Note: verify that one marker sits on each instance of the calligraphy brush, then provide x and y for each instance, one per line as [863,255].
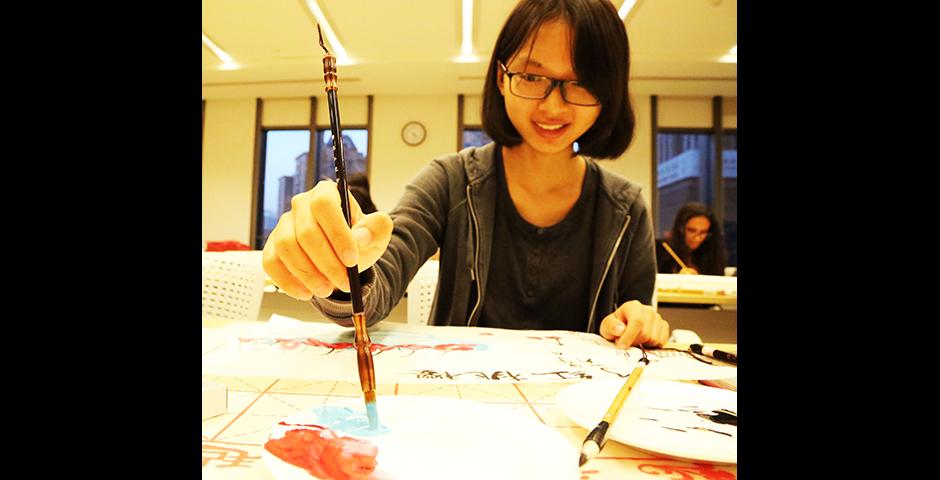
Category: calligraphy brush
[596,440]
[676,257]
[363,343]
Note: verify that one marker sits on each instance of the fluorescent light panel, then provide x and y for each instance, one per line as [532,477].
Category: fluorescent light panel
[227,62]
[625,8]
[466,43]
[341,57]
[467,47]
[731,56]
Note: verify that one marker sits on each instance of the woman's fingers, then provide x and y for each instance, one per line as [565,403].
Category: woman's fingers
[372,234]
[288,266]
[311,247]
[322,232]
[635,324]
[611,327]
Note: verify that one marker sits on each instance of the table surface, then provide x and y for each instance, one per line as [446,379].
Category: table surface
[232,442]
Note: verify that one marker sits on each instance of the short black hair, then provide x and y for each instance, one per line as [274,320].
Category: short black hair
[601,61]
[358,184]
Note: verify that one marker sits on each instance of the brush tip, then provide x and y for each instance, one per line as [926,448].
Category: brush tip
[372,412]
[582,460]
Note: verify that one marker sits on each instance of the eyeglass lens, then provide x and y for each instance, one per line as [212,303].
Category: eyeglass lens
[538,87]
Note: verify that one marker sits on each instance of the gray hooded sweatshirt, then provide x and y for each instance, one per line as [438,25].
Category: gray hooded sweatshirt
[451,205]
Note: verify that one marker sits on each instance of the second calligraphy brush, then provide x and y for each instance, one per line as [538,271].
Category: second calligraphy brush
[674,256]
[362,341]
[596,440]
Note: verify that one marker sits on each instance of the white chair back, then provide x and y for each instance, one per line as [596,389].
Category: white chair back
[421,293]
[232,285]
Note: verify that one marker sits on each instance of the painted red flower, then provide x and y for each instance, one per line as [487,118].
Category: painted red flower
[325,454]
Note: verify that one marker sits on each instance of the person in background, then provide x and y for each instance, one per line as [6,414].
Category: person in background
[696,238]
[532,235]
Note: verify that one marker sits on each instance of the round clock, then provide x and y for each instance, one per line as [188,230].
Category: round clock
[413,133]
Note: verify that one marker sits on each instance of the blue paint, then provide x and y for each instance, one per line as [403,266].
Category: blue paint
[373,412]
[349,421]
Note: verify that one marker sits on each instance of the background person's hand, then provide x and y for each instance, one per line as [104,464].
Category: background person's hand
[635,324]
[311,246]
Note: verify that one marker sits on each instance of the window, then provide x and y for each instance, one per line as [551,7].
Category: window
[685,172]
[355,152]
[688,167]
[284,166]
[683,161]
[729,180]
[475,137]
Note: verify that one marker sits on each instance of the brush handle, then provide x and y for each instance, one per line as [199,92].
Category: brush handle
[339,165]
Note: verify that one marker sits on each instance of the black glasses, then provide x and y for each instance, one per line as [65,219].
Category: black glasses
[538,87]
[697,233]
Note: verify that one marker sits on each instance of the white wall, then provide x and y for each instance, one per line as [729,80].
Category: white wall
[227,166]
[635,163]
[393,162]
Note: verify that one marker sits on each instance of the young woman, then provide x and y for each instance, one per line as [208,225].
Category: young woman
[532,235]
[697,240]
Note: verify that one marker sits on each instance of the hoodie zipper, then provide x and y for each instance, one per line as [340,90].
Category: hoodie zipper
[610,260]
[476,254]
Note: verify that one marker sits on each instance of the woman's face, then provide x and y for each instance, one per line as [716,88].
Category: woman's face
[696,231]
[550,125]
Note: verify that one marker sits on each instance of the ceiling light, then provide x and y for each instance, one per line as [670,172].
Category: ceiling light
[341,57]
[227,62]
[466,48]
[625,8]
[731,56]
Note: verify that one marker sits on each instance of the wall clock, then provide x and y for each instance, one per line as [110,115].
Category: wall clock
[413,133]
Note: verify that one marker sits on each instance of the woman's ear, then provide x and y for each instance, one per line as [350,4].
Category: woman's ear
[499,81]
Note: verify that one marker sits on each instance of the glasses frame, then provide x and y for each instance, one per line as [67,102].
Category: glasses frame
[561,84]
[706,234]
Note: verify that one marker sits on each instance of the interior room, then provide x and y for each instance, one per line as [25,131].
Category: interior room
[423,63]
[289,393]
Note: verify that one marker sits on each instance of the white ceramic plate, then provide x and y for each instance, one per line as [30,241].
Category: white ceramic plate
[681,420]
[436,437]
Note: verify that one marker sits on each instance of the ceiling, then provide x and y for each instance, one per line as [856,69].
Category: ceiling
[409,47]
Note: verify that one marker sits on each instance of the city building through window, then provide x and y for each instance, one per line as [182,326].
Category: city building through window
[285,164]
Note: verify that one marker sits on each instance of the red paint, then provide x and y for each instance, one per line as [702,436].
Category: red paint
[292,343]
[226,456]
[689,472]
[324,454]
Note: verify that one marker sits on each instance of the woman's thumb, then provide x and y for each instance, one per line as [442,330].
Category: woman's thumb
[363,236]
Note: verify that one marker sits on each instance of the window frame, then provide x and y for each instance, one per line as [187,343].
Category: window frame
[314,128]
[714,184]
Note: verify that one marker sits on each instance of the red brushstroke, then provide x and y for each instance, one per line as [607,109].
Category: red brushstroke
[324,454]
[688,472]
[226,456]
[586,474]
[293,343]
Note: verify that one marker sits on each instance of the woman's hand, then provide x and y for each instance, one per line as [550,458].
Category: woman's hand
[688,271]
[635,324]
[311,246]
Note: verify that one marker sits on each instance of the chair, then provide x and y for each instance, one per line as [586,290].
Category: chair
[232,285]
[421,293]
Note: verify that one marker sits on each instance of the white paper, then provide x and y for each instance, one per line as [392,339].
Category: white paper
[288,348]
